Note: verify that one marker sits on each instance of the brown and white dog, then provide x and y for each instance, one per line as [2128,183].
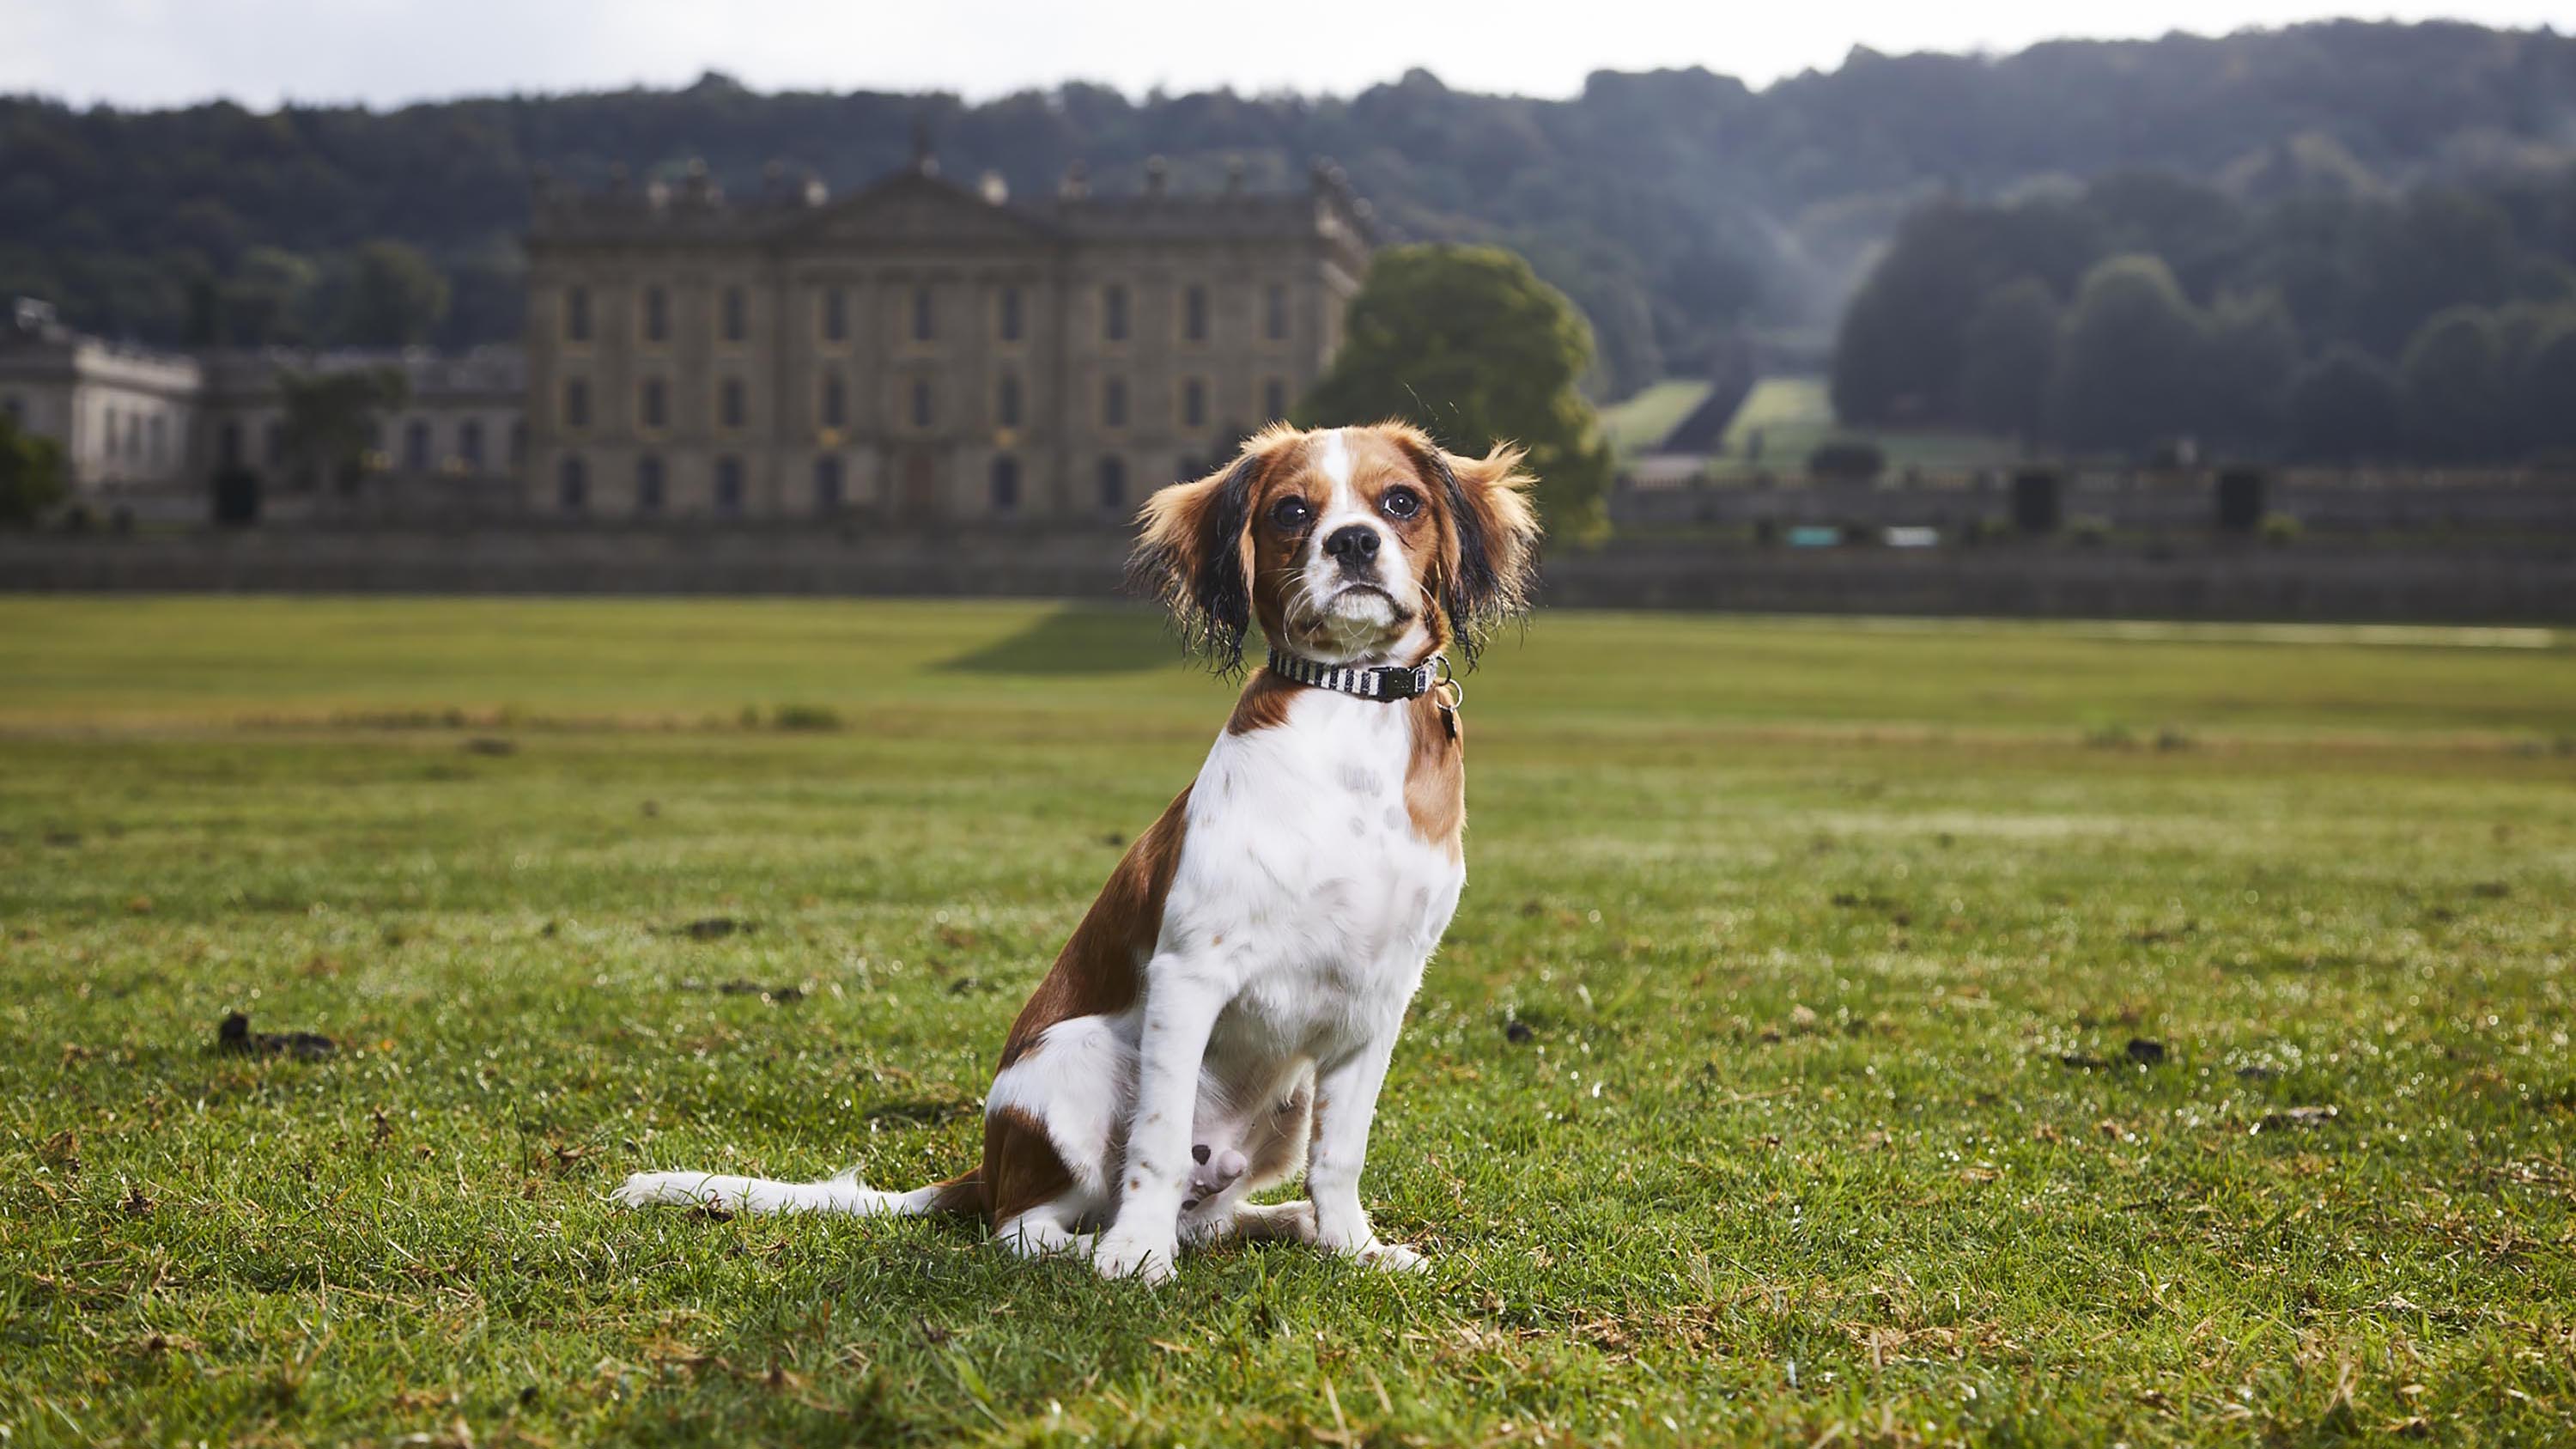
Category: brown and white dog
[1224,1015]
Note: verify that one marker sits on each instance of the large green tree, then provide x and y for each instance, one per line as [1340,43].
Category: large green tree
[1898,354]
[2455,385]
[395,297]
[268,299]
[2545,386]
[32,476]
[1469,344]
[2008,352]
[2249,349]
[331,419]
[2130,375]
[2344,408]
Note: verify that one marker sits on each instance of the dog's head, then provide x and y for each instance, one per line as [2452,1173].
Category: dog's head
[1346,545]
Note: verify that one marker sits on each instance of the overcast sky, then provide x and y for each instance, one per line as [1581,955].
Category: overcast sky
[259,52]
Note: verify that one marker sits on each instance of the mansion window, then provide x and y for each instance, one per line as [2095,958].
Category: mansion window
[836,315]
[827,484]
[1113,314]
[272,444]
[921,409]
[1113,482]
[469,442]
[1006,401]
[416,445]
[1274,398]
[160,438]
[1194,402]
[836,401]
[109,433]
[655,408]
[228,442]
[657,315]
[731,407]
[1113,403]
[1274,313]
[737,315]
[651,492]
[518,441]
[1006,483]
[14,407]
[572,484]
[925,316]
[729,485]
[576,403]
[1194,314]
[576,317]
[1009,324]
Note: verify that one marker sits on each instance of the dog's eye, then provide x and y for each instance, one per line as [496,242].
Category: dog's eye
[1401,503]
[1290,513]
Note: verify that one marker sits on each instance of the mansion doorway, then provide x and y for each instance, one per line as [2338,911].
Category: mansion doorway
[917,488]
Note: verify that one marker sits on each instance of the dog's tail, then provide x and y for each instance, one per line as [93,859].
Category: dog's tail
[963,1193]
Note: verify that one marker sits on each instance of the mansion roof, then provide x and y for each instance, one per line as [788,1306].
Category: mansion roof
[917,204]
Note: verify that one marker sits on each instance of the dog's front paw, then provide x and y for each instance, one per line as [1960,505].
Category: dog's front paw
[1391,1258]
[1132,1255]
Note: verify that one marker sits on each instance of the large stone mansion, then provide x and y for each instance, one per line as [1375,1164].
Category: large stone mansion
[917,351]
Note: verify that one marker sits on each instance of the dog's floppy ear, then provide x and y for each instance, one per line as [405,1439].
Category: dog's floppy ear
[1195,554]
[1490,559]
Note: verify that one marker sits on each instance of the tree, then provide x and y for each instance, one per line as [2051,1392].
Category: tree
[32,477]
[396,298]
[2454,385]
[331,418]
[268,298]
[2545,387]
[1472,346]
[2249,348]
[2343,407]
[2007,353]
[2129,374]
[1898,354]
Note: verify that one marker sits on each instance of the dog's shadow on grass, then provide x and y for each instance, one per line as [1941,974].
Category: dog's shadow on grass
[1075,639]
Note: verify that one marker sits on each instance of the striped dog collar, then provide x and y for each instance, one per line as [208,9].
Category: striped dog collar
[1385,683]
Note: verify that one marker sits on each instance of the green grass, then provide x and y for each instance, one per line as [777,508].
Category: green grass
[1790,417]
[1805,920]
[1795,416]
[1641,420]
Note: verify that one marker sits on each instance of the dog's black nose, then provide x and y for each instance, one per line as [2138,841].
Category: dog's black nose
[1354,544]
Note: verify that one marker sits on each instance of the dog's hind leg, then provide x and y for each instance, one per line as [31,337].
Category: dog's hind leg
[843,1194]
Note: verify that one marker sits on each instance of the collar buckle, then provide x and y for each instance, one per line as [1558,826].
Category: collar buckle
[1395,682]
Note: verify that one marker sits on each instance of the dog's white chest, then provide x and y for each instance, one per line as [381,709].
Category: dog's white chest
[1303,874]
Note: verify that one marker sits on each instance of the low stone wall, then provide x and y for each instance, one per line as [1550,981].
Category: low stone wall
[2310,581]
[2301,584]
[538,559]
[2399,504]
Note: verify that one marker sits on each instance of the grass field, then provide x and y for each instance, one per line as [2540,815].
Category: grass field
[1787,418]
[1852,1033]
[1645,416]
